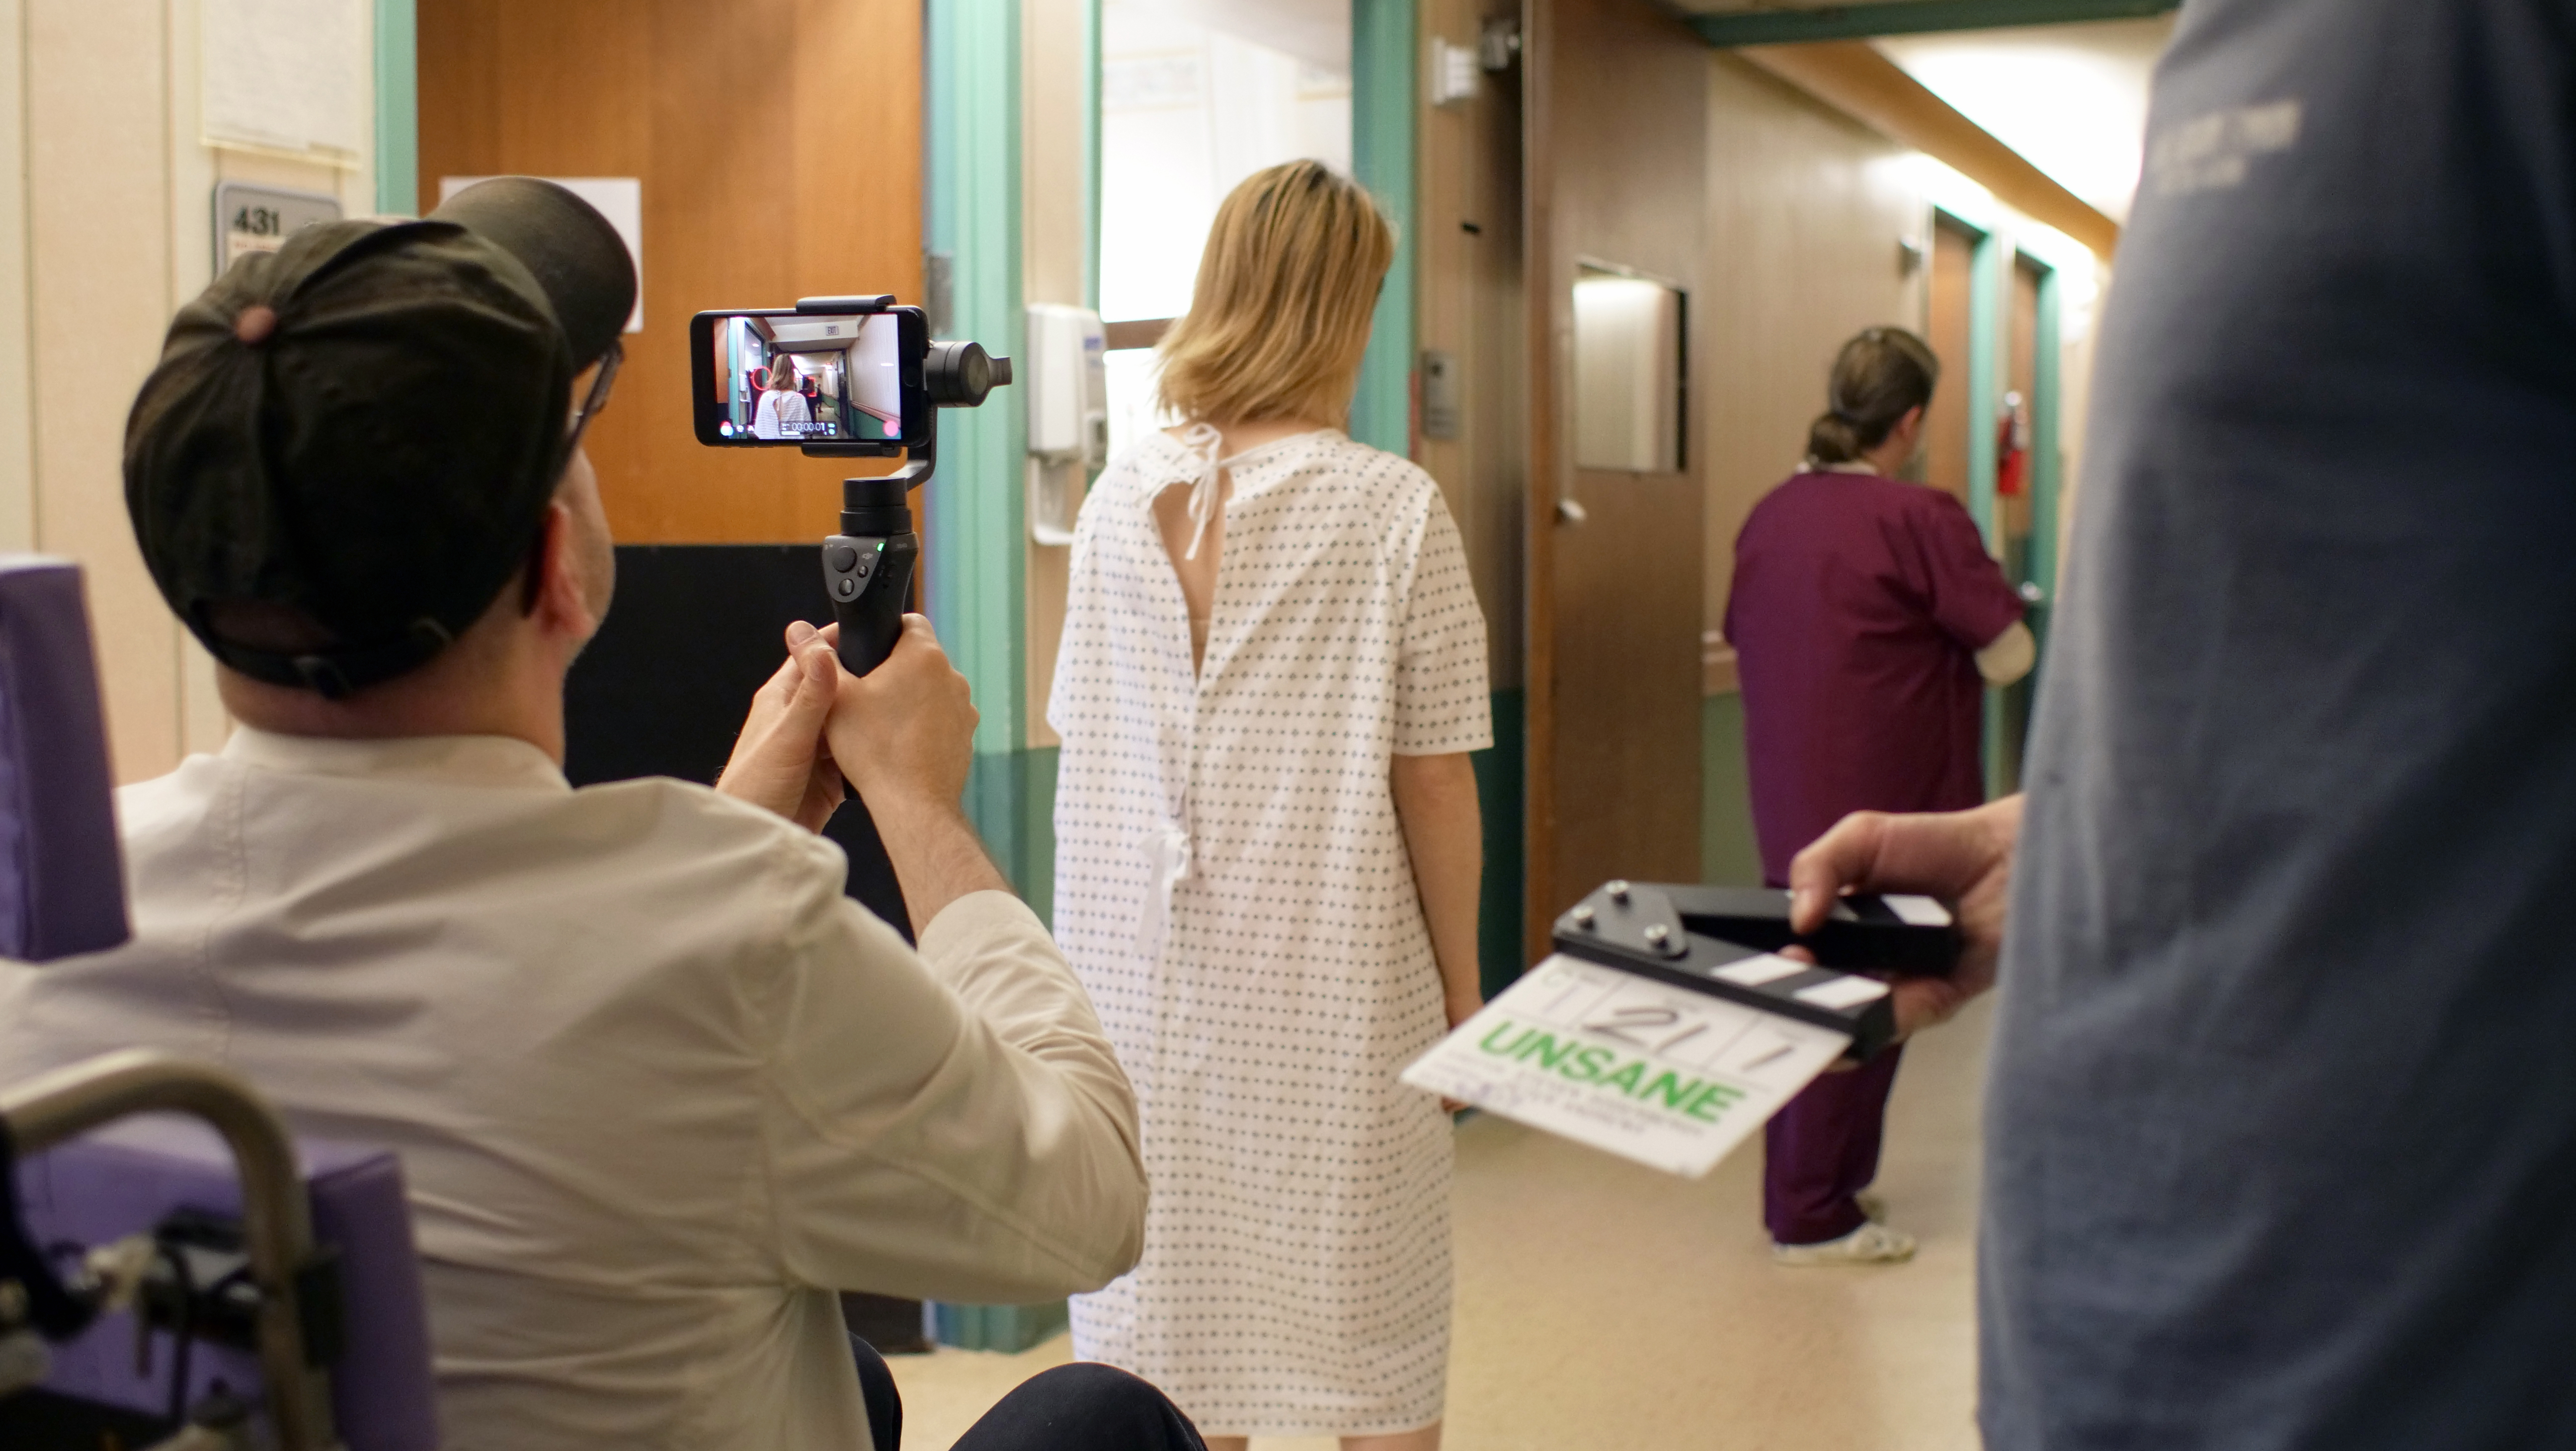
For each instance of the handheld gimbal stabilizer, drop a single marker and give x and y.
(868, 566)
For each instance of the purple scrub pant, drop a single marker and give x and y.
(1822, 1150)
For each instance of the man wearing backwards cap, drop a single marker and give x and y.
(659, 1088)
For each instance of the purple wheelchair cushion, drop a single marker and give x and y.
(129, 1176)
(62, 881)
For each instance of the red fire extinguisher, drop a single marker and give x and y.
(2012, 446)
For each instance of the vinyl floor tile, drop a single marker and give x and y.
(1605, 1305)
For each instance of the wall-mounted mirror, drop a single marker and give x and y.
(1629, 372)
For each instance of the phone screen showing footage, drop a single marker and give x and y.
(807, 379)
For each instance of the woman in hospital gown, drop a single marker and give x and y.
(782, 412)
(1267, 845)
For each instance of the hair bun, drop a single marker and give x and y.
(1878, 377)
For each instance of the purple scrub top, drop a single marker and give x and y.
(1858, 607)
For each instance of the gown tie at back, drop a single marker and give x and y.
(1203, 440)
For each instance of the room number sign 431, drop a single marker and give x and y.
(251, 218)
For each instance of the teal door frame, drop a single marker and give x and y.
(2034, 573)
(397, 46)
(1091, 54)
(1384, 64)
(2047, 455)
(1986, 293)
(973, 509)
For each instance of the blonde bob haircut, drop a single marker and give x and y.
(1280, 314)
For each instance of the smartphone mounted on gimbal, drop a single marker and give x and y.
(843, 377)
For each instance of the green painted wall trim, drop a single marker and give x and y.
(1009, 1329)
(1908, 17)
(1985, 380)
(1383, 51)
(973, 507)
(971, 515)
(1036, 879)
(1728, 854)
(1010, 796)
(2047, 461)
(398, 107)
(1498, 794)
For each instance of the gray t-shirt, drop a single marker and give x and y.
(2282, 1136)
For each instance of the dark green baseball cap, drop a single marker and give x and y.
(360, 433)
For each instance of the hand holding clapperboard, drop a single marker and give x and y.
(1663, 1031)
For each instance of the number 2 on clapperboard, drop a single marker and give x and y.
(1644, 1017)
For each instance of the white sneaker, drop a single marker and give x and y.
(1872, 1207)
(1871, 1244)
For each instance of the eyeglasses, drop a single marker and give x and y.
(591, 406)
(532, 572)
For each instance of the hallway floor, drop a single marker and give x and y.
(1604, 1305)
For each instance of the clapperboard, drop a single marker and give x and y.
(1665, 1029)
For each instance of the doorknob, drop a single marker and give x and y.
(1569, 511)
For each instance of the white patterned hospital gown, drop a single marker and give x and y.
(1296, 1273)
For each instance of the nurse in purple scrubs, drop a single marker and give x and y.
(1867, 620)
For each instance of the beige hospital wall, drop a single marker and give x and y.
(17, 454)
(106, 207)
(1806, 211)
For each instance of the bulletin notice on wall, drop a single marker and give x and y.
(283, 75)
(1671, 1078)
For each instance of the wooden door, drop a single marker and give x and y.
(1948, 328)
(1615, 116)
(779, 146)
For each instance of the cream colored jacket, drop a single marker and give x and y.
(658, 1086)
